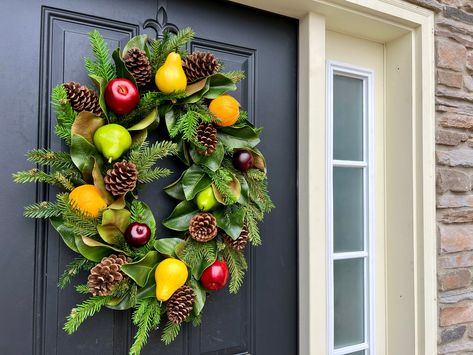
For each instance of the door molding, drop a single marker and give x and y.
(407, 32)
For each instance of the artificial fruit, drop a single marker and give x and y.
(121, 96)
(112, 140)
(226, 109)
(206, 200)
(137, 234)
(87, 199)
(170, 77)
(243, 160)
(169, 275)
(215, 277)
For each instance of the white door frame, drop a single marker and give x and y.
(407, 31)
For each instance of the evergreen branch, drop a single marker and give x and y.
(36, 175)
(197, 320)
(101, 66)
(83, 311)
(58, 160)
(72, 269)
(160, 48)
(80, 223)
(146, 317)
(82, 289)
(146, 156)
(243, 117)
(222, 179)
(258, 188)
(64, 133)
(194, 252)
(188, 122)
(153, 174)
(252, 216)
(65, 115)
(170, 332)
(137, 211)
(237, 266)
(63, 181)
(236, 75)
(44, 209)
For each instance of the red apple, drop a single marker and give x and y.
(121, 96)
(137, 234)
(215, 277)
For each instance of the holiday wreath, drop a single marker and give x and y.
(221, 195)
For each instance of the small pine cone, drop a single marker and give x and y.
(121, 178)
(138, 65)
(207, 136)
(239, 243)
(179, 305)
(199, 65)
(106, 274)
(82, 98)
(203, 227)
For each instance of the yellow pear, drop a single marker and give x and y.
(170, 77)
(170, 275)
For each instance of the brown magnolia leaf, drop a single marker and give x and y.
(100, 184)
(138, 137)
(119, 203)
(85, 125)
(195, 87)
(234, 186)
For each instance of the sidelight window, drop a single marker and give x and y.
(350, 207)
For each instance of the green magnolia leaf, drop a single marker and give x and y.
(84, 155)
(200, 296)
(150, 118)
(147, 217)
(119, 203)
(111, 234)
(166, 246)
(85, 125)
(239, 137)
(100, 184)
(244, 190)
(117, 218)
(65, 232)
(120, 67)
(218, 85)
(231, 220)
(181, 216)
(212, 161)
(197, 96)
(234, 187)
(140, 270)
(95, 243)
(101, 84)
(194, 180)
(137, 42)
(175, 189)
(183, 151)
(121, 304)
(94, 252)
(149, 289)
(169, 118)
(139, 137)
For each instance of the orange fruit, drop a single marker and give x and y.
(87, 199)
(226, 109)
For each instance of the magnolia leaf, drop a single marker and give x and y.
(231, 220)
(195, 87)
(200, 296)
(218, 85)
(183, 151)
(111, 234)
(101, 84)
(149, 288)
(175, 189)
(84, 155)
(139, 137)
(145, 122)
(166, 246)
(100, 184)
(147, 217)
(85, 125)
(95, 243)
(170, 119)
(121, 69)
(120, 304)
(181, 216)
(194, 180)
(239, 137)
(191, 99)
(119, 203)
(92, 252)
(234, 187)
(259, 162)
(140, 270)
(65, 232)
(117, 218)
(137, 42)
(212, 161)
(244, 191)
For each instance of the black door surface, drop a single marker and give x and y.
(43, 43)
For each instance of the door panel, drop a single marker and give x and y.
(262, 318)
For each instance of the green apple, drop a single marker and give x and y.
(206, 200)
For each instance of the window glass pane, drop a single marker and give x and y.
(348, 302)
(347, 118)
(347, 209)
(362, 352)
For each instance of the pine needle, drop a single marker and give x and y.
(73, 269)
(170, 332)
(237, 266)
(236, 75)
(36, 175)
(146, 317)
(101, 66)
(44, 209)
(160, 48)
(58, 160)
(65, 115)
(83, 311)
(82, 289)
(153, 174)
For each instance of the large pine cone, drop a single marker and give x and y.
(121, 178)
(105, 275)
(203, 227)
(138, 65)
(179, 305)
(240, 242)
(199, 65)
(207, 136)
(82, 98)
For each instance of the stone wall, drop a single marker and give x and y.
(454, 136)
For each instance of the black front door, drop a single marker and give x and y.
(43, 44)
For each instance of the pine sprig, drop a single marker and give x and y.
(80, 223)
(258, 187)
(252, 216)
(222, 179)
(160, 48)
(65, 115)
(188, 121)
(194, 252)
(153, 174)
(236, 75)
(36, 175)
(83, 311)
(237, 266)
(82, 289)
(73, 269)
(137, 211)
(57, 160)
(170, 332)
(44, 209)
(101, 66)
(146, 317)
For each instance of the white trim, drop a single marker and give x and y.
(368, 167)
(351, 349)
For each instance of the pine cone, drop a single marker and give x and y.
(199, 65)
(121, 178)
(82, 98)
(138, 65)
(207, 136)
(240, 242)
(203, 227)
(106, 274)
(179, 306)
